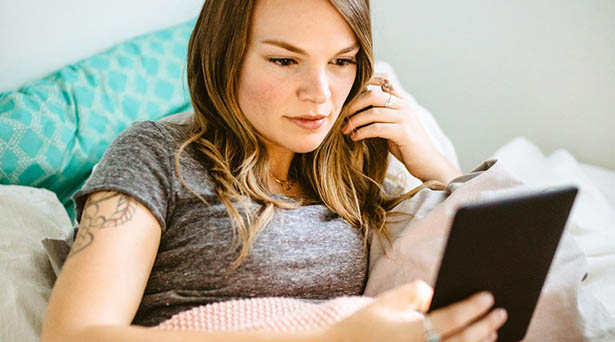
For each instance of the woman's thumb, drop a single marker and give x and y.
(411, 296)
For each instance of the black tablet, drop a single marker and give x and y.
(505, 247)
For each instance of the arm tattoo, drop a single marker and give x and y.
(92, 219)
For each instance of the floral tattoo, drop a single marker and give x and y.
(92, 219)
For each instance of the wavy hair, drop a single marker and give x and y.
(344, 175)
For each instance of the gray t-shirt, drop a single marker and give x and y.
(308, 253)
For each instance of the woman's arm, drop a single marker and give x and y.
(98, 292)
(439, 169)
(136, 333)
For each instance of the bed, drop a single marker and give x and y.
(58, 114)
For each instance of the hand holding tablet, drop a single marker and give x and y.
(492, 271)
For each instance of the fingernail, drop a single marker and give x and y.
(486, 298)
(501, 314)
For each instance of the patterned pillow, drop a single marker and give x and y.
(52, 131)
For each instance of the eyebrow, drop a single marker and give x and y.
(292, 48)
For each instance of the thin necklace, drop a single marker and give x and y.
(286, 185)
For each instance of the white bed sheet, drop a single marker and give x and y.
(593, 213)
(603, 178)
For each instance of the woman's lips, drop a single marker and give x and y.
(307, 123)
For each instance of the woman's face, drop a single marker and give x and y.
(297, 71)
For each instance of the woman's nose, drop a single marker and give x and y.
(315, 86)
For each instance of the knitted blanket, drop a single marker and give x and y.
(265, 314)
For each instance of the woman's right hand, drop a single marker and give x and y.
(393, 316)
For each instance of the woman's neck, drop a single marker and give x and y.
(279, 161)
(279, 164)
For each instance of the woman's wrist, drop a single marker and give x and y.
(447, 173)
(436, 168)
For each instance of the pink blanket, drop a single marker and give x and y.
(267, 314)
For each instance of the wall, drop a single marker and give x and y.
(40, 36)
(493, 70)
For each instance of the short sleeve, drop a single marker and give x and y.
(138, 164)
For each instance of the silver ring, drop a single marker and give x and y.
(389, 101)
(430, 334)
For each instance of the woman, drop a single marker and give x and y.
(271, 190)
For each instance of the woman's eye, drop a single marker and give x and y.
(288, 61)
(344, 61)
(282, 61)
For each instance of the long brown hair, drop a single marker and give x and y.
(344, 175)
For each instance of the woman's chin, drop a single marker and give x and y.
(305, 147)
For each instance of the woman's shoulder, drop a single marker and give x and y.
(141, 131)
(142, 143)
(150, 129)
(154, 134)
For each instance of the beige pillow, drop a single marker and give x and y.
(26, 276)
(567, 309)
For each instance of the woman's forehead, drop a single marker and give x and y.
(305, 24)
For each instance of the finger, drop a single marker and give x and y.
(371, 115)
(376, 130)
(374, 98)
(491, 338)
(383, 80)
(457, 316)
(411, 296)
(482, 330)
(379, 77)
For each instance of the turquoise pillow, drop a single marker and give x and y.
(52, 131)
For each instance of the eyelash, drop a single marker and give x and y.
(277, 61)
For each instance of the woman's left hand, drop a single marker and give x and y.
(384, 113)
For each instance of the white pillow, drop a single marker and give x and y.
(592, 219)
(26, 276)
(603, 178)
